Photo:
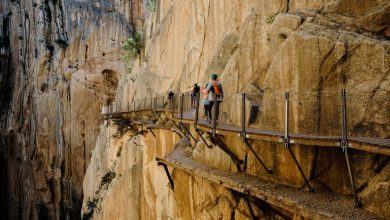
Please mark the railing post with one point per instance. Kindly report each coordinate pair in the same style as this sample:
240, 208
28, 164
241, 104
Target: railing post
287, 140
214, 119
244, 136
243, 116
172, 103
344, 144
286, 119
197, 109
181, 107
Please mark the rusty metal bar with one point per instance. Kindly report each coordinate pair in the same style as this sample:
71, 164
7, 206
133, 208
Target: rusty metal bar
181, 136
243, 112
151, 131
344, 145
243, 134
172, 103
168, 174
200, 135
287, 142
177, 126
286, 118
181, 107
269, 171
217, 141
188, 132
197, 109
214, 119
246, 198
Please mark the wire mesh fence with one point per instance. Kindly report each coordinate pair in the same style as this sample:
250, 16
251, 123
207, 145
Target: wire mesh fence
265, 111
318, 114
368, 115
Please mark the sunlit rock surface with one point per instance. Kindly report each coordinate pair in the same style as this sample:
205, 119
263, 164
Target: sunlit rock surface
66, 63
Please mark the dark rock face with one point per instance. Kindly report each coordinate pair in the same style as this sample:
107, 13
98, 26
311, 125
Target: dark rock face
54, 57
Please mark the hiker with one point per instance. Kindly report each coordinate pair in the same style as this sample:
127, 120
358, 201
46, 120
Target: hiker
170, 96
194, 94
215, 91
206, 103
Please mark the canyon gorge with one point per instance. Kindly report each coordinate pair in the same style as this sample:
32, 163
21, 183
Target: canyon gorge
62, 62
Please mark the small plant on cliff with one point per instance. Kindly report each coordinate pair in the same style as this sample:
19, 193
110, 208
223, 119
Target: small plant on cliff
151, 5
118, 153
91, 206
62, 43
133, 46
271, 18
123, 126
106, 179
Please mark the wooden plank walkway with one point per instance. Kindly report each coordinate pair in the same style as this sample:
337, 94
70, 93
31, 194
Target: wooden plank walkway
318, 205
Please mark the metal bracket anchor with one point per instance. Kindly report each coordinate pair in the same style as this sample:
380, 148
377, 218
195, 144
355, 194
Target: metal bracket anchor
246, 198
200, 135
188, 132
269, 171
168, 174
151, 131
217, 141
287, 145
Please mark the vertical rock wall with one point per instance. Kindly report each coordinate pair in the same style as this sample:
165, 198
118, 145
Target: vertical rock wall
64, 63
268, 48
64, 55
138, 187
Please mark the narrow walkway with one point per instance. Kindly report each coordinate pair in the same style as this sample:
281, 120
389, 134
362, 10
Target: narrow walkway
319, 205
373, 145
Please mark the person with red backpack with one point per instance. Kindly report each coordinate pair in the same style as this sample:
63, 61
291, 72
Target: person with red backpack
215, 91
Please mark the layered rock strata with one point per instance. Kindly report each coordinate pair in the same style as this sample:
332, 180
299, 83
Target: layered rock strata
63, 64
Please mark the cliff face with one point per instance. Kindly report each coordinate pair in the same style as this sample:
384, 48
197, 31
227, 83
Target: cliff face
64, 63
262, 47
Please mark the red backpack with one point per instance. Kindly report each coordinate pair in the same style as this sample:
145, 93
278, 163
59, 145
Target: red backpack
216, 89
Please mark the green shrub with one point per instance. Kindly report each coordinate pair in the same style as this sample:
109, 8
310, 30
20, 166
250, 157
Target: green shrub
151, 5
123, 126
91, 206
118, 153
106, 179
133, 46
271, 18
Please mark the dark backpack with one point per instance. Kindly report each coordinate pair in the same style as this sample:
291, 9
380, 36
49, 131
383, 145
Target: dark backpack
196, 89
